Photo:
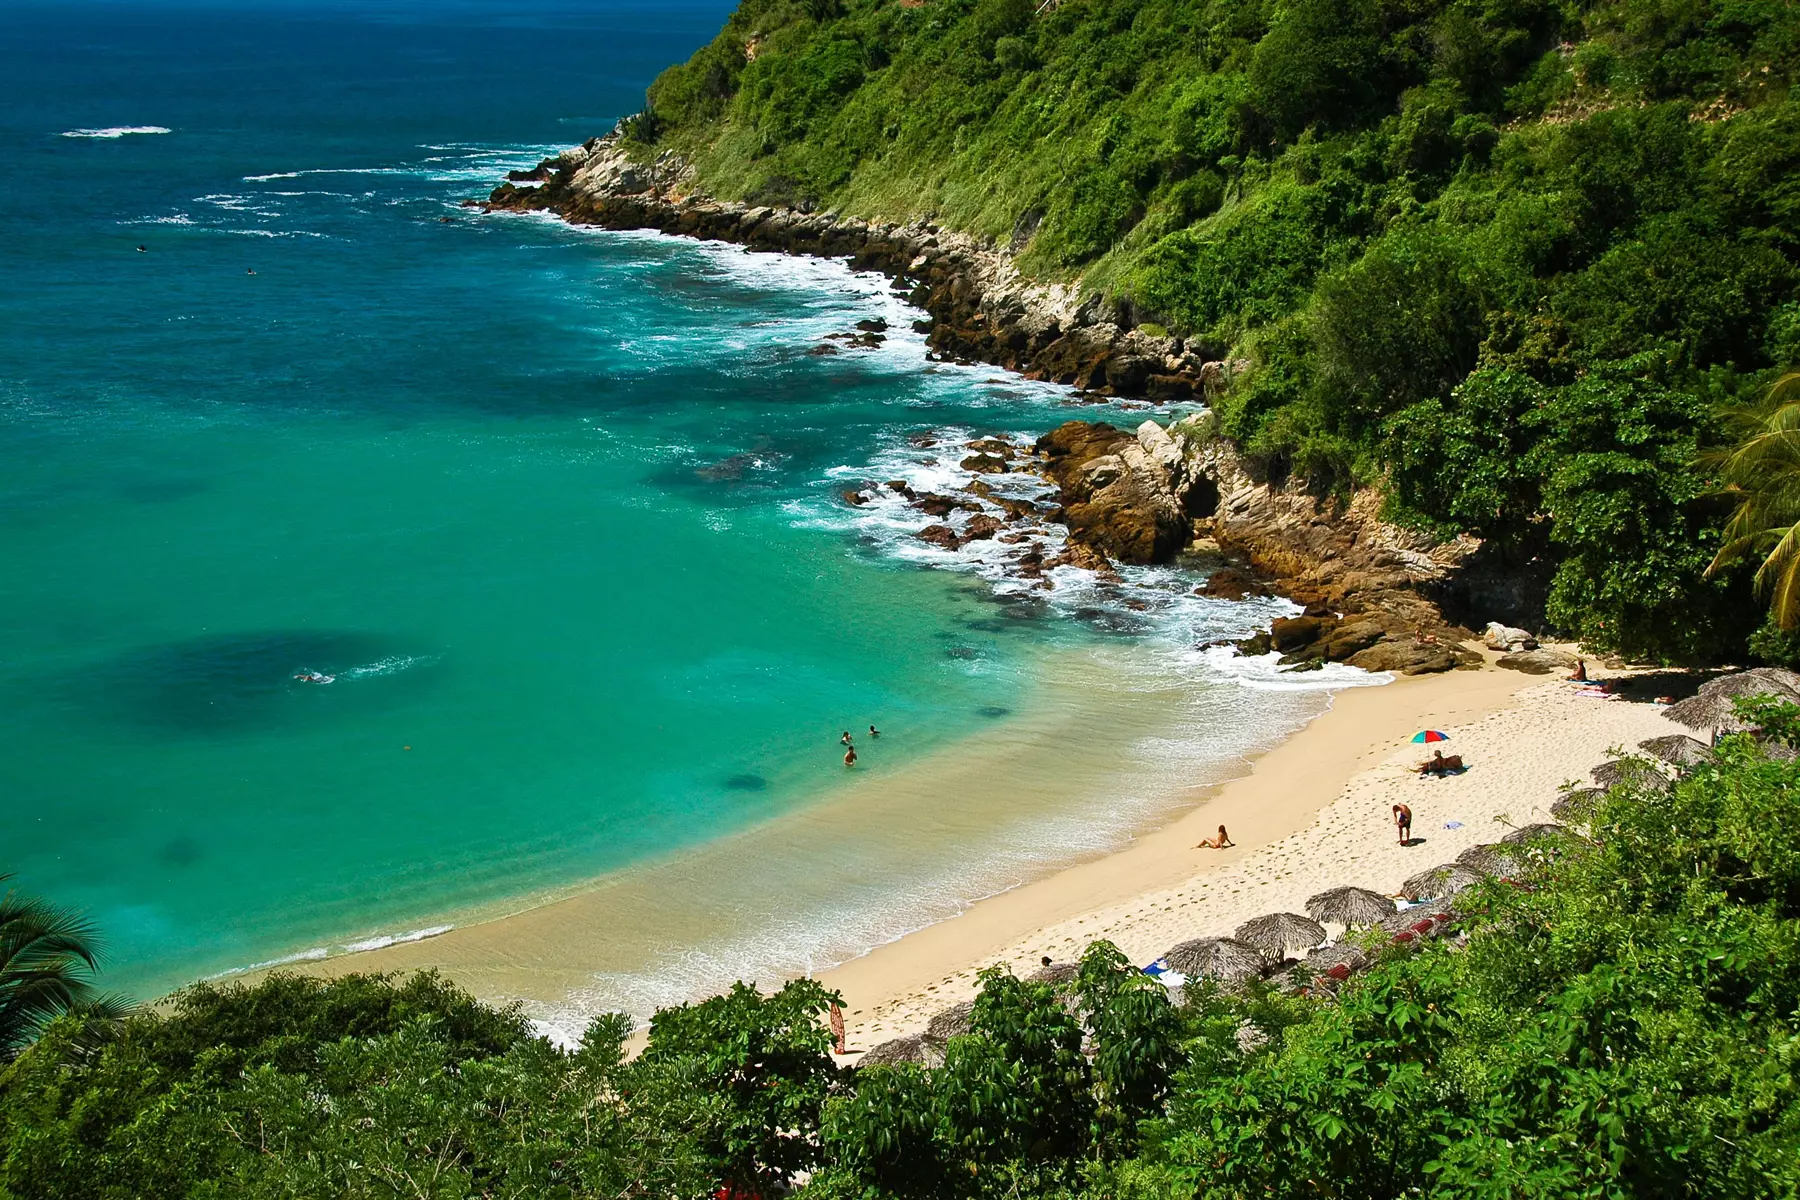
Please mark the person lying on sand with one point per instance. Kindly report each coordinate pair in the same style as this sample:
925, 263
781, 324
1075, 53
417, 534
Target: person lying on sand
1216, 843
1440, 765
850, 757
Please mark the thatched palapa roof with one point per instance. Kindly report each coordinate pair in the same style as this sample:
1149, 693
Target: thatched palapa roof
1491, 858
1439, 882
954, 1021
1678, 748
1530, 833
1349, 906
1055, 973
1279, 934
1402, 922
1629, 772
1712, 709
1577, 805
896, 1051
1225, 959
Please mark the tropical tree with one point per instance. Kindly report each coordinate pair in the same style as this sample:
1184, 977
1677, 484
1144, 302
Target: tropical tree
1762, 473
48, 955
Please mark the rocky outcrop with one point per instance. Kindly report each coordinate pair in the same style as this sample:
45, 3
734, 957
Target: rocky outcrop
1130, 496
980, 308
1537, 662
1372, 589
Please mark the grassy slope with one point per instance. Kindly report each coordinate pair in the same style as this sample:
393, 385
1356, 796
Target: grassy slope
1421, 221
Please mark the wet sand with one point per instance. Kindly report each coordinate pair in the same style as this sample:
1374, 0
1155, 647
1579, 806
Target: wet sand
816, 888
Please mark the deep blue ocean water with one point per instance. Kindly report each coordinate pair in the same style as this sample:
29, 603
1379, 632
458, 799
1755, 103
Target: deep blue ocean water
556, 510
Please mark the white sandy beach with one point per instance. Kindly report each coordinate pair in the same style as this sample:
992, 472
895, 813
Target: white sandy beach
1522, 736
1310, 813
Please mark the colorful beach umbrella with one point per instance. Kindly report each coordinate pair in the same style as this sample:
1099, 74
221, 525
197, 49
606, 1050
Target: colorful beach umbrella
1430, 735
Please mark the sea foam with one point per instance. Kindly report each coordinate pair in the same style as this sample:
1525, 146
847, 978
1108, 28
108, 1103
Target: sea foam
115, 131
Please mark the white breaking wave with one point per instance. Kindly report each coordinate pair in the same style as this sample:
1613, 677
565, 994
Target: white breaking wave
377, 942
174, 219
115, 131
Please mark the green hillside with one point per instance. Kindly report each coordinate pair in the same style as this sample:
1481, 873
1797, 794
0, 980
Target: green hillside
1507, 259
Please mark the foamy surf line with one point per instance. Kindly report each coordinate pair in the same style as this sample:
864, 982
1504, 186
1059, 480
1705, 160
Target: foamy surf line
380, 941
115, 131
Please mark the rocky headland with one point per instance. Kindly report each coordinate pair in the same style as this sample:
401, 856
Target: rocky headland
1374, 595
979, 307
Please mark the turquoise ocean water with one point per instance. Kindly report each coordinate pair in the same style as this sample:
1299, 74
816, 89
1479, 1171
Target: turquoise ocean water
556, 509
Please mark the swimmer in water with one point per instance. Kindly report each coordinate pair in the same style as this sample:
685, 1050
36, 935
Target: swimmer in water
251, 271
845, 740
314, 677
874, 732
142, 250
850, 757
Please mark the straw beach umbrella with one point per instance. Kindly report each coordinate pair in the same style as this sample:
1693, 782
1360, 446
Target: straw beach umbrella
1279, 933
1631, 773
1438, 882
1711, 709
1491, 858
1712, 713
1578, 805
1757, 681
954, 1021
1530, 833
1224, 959
1055, 973
1395, 924
1678, 749
1349, 906
1336, 954
896, 1051
1331, 965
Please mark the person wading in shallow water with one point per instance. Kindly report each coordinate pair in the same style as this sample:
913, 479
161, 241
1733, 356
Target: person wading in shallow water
845, 740
874, 732
1403, 822
850, 757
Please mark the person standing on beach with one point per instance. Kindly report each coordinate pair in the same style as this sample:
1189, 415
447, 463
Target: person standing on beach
1403, 822
837, 1028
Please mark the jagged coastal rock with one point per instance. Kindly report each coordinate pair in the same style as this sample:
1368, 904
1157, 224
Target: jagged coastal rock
1130, 496
1372, 591
980, 307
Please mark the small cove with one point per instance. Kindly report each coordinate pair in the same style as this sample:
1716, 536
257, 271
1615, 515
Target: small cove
557, 511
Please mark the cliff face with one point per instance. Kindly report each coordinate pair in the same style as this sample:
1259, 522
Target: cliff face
1371, 589
979, 307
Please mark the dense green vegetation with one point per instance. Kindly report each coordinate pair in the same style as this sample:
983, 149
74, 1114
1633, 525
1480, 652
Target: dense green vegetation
1623, 1022
48, 958
1505, 258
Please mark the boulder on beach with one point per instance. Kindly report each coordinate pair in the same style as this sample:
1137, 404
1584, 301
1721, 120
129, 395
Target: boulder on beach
1537, 662
1506, 637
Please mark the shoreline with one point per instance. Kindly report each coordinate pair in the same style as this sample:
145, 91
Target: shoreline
1307, 813
1312, 813
887, 854
977, 306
